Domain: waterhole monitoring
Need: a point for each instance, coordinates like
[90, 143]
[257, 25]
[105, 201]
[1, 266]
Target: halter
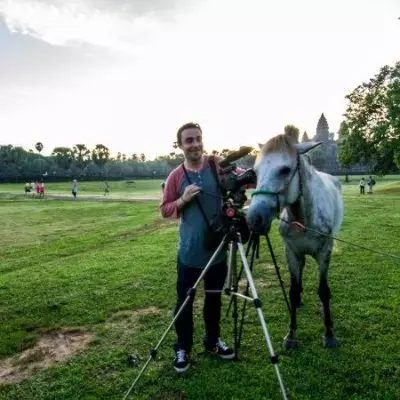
[270, 193]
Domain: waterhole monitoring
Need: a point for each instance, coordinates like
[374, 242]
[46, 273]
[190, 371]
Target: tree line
[80, 162]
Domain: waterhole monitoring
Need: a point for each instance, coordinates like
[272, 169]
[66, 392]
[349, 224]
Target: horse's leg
[295, 265]
[324, 293]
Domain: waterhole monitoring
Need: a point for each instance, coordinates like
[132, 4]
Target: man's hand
[190, 193]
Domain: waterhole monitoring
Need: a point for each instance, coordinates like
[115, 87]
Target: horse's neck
[301, 210]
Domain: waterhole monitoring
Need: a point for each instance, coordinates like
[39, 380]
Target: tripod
[254, 245]
[231, 239]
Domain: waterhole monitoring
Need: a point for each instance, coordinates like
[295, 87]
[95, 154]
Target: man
[370, 183]
[74, 188]
[179, 202]
[362, 186]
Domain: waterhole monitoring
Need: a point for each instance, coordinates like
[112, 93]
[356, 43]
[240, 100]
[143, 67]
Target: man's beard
[195, 155]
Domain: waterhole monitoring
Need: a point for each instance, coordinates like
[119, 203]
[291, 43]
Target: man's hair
[188, 125]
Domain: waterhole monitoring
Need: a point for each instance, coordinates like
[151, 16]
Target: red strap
[296, 225]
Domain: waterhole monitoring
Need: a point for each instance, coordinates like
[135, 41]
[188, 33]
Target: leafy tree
[292, 131]
[92, 171]
[142, 157]
[82, 154]
[39, 147]
[371, 129]
[63, 156]
[100, 154]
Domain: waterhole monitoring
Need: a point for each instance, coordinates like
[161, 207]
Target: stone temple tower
[322, 134]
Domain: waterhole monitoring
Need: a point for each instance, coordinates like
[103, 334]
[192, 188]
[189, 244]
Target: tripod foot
[329, 341]
[289, 343]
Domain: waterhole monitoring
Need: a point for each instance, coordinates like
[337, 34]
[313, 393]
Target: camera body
[232, 218]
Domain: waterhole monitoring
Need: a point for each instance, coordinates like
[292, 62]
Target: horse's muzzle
[258, 221]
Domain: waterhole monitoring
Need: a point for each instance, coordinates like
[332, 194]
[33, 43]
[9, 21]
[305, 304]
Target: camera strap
[213, 167]
[197, 199]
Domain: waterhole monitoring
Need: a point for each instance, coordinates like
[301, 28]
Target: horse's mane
[280, 144]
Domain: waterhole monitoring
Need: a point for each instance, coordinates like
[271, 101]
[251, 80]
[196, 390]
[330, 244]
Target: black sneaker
[221, 350]
[181, 362]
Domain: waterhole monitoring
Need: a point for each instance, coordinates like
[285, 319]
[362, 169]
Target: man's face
[192, 144]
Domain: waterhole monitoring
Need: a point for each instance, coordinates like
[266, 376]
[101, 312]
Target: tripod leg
[257, 304]
[250, 244]
[153, 351]
[255, 250]
[278, 273]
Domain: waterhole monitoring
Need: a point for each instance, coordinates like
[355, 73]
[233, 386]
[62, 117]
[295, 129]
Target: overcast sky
[128, 73]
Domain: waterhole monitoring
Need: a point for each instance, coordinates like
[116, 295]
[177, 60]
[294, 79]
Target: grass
[109, 268]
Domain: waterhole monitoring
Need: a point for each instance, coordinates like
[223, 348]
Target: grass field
[102, 275]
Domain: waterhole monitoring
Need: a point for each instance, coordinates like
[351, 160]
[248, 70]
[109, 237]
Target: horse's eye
[284, 171]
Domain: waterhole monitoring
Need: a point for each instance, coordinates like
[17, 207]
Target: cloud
[114, 24]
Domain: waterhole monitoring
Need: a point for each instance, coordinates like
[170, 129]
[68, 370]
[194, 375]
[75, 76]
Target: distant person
[27, 188]
[74, 188]
[33, 188]
[371, 183]
[163, 186]
[37, 187]
[362, 185]
[106, 188]
[41, 189]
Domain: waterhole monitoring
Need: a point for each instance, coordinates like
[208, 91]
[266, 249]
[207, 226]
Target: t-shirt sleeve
[169, 206]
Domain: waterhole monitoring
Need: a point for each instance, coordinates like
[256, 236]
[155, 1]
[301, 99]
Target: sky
[128, 73]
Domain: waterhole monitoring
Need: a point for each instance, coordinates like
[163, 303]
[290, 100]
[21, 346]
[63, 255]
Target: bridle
[266, 192]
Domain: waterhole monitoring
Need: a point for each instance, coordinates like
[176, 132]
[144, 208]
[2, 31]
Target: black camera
[232, 183]
[232, 218]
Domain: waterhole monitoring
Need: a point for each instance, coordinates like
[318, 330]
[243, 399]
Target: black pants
[213, 280]
[362, 190]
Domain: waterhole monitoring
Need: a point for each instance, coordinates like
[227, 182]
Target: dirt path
[91, 197]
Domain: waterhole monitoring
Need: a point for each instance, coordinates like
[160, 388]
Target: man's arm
[171, 203]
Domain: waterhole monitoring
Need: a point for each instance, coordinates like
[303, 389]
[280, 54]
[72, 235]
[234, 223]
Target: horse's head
[278, 180]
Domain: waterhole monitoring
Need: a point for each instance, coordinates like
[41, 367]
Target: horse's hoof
[289, 343]
[329, 341]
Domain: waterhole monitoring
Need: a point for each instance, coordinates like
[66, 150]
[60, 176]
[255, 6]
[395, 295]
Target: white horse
[288, 184]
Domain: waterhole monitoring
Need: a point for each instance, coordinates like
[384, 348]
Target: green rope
[256, 192]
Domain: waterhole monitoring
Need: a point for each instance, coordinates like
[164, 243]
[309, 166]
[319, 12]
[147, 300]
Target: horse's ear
[260, 145]
[303, 148]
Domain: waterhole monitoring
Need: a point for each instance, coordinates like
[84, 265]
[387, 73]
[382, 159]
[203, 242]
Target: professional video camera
[232, 183]
[232, 218]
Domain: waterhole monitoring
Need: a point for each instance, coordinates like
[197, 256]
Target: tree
[371, 129]
[63, 156]
[92, 171]
[142, 157]
[39, 147]
[82, 154]
[100, 155]
[293, 132]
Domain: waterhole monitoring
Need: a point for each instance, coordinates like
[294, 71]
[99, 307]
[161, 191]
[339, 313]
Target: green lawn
[108, 269]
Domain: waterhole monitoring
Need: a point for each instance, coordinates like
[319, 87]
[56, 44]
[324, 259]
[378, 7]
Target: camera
[232, 218]
[233, 184]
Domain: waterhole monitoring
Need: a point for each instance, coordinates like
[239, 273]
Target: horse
[288, 184]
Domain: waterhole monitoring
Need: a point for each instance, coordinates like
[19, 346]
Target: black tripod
[232, 240]
[254, 246]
